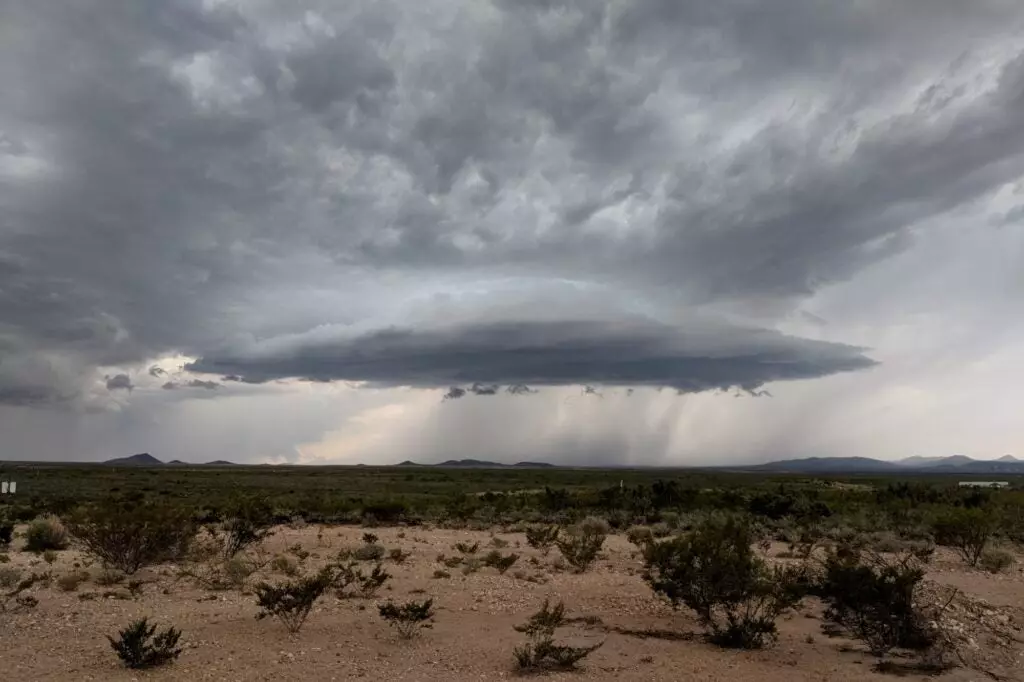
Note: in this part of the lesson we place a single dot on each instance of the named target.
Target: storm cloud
(549, 353)
(495, 197)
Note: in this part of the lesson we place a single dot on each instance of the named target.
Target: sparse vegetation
(248, 521)
(46, 533)
(466, 548)
(541, 537)
(409, 618)
(714, 571)
(127, 536)
(398, 555)
(541, 652)
(996, 560)
(140, 646)
(874, 598)
(581, 543)
(496, 559)
(968, 531)
(292, 601)
(70, 581)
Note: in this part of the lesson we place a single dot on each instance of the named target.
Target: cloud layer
(502, 194)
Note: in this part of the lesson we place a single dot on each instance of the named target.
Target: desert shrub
(409, 618)
(6, 532)
(714, 571)
(581, 543)
(284, 564)
(5, 558)
(50, 557)
(641, 536)
(996, 560)
(237, 570)
(128, 535)
(140, 646)
(968, 531)
(398, 555)
(541, 537)
(450, 562)
(109, 577)
(499, 543)
(9, 576)
(466, 548)
(369, 552)
(541, 652)
(439, 574)
(249, 520)
(14, 597)
(369, 584)
(46, 533)
(70, 581)
(495, 559)
(661, 530)
(873, 597)
(299, 552)
(291, 602)
(348, 574)
(370, 539)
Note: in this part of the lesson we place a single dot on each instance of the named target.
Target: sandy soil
(63, 638)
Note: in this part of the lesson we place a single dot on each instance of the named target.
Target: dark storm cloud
(184, 177)
(550, 353)
(120, 382)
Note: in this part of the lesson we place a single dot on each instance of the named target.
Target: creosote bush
(496, 559)
(127, 535)
(996, 560)
(968, 531)
(541, 652)
(714, 571)
(140, 646)
(46, 533)
(409, 618)
(248, 521)
(581, 543)
(874, 598)
(541, 537)
(6, 532)
(292, 601)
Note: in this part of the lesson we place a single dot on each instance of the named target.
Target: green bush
(292, 602)
(46, 533)
(409, 618)
(249, 521)
(714, 571)
(496, 559)
(996, 560)
(369, 552)
(968, 531)
(581, 543)
(874, 597)
(541, 537)
(541, 652)
(128, 535)
(140, 646)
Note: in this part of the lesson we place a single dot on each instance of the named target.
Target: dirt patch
(63, 638)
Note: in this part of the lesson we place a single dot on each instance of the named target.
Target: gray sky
(658, 231)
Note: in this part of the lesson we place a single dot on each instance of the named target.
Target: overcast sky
(633, 231)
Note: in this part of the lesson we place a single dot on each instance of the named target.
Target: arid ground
(64, 636)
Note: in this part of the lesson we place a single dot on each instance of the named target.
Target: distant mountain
(829, 465)
(177, 462)
(957, 464)
(141, 460)
(470, 463)
(479, 464)
(221, 463)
